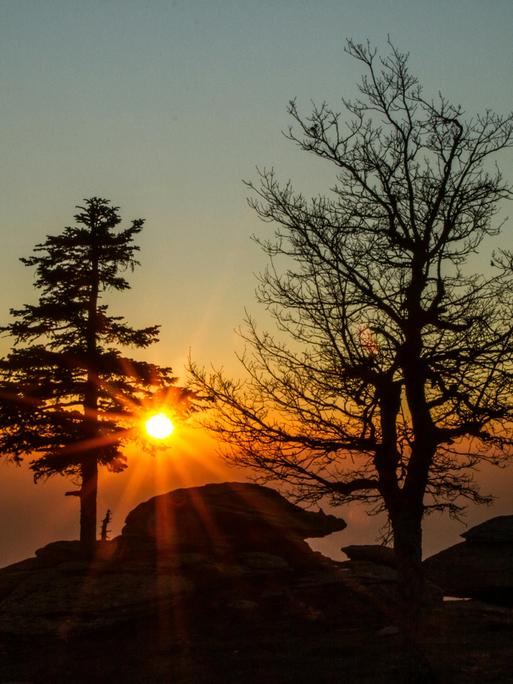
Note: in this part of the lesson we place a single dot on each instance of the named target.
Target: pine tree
(68, 395)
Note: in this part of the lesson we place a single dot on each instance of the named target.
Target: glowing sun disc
(159, 426)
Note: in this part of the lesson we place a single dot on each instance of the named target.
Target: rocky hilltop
(223, 520)
(481, 567)
(217, 584)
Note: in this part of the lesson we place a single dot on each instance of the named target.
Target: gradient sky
(164, 107)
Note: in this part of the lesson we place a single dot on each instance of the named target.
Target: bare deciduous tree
(389, 377)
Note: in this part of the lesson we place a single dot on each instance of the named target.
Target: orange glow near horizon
(159, 426)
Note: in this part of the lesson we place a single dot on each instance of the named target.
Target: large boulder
(371, 553)
(497, 530)
(230, 548)
(481, 567)
(223, 519)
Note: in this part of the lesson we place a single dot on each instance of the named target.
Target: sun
(159, 426)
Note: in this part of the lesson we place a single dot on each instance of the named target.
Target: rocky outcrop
(223, 519)
(194, 611)
(498, 530)
(381, 583)
(221, 547)
(480, 567)
(74, 596)
(371, 553)
(373, 570)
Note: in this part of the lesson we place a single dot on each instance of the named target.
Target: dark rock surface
(173, 607)
(481, 567)
(223, 519)
(371, 553)
(380, 582)
(234, 543)
(498, 530)
(474, 570)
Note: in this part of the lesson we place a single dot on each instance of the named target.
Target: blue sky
(164, 107)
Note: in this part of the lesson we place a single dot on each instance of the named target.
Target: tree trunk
(89, 466)
(407, 530)
(88, 491)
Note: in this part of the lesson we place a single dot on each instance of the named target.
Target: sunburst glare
(159, 426)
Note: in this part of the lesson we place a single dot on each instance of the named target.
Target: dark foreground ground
(230, 593)
(466, 642)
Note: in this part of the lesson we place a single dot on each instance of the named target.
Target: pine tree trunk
(89, 466)
(88, 492)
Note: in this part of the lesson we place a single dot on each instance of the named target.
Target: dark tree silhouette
(67, 392)
(390, 375)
